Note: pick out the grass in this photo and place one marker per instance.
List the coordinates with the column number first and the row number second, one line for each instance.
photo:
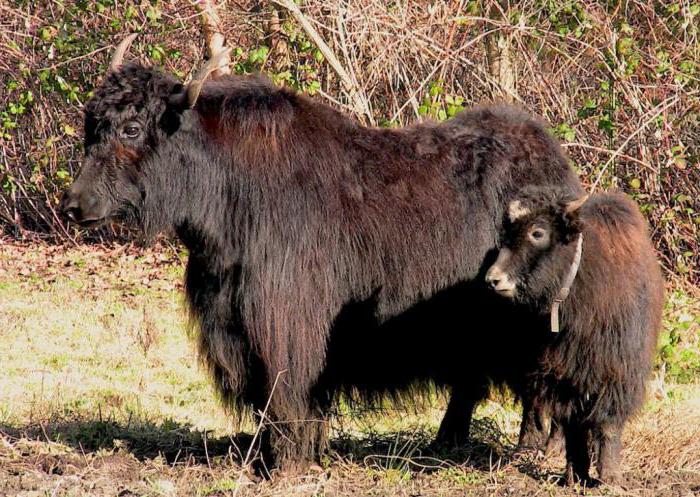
column 101, row 394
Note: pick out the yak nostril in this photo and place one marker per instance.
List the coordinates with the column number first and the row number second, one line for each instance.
column 71, row 213
column 91, row 202
column 70, row 207
column 494, row 282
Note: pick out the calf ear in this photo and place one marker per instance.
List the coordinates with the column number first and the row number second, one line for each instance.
column 571, row 222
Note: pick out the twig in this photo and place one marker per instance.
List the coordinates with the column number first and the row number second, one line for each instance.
column 361, row 104
column 206, row 449
column 659, row 109
column 73, row 59
column 609, row 152
column 263, row 415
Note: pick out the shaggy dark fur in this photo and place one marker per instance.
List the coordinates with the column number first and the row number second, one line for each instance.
column 592, row 375
column 324, row 256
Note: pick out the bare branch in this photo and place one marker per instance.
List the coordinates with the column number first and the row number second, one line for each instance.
column 359, row 100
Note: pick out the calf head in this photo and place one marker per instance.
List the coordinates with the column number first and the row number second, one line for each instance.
column 132, row 113
column 537, row 246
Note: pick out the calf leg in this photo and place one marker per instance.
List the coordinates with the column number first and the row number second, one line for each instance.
column 609, row 447
column 455, row 425
column 578, row 460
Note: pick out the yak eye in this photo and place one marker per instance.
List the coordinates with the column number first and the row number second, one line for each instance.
column 131, row 130
column 537, row 234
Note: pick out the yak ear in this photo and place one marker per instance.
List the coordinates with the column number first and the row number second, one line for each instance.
column 176, row 104
column 178, row 99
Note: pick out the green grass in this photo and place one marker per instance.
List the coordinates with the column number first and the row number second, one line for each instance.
column 119, row 354
column 98, row 374
column 679, row 343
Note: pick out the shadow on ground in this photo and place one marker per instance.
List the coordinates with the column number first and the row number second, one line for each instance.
column 170, row 440
column 489, row 450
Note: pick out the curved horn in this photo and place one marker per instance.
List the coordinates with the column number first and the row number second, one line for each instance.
column 195, row 85
column 575, row 204
column 121, row 49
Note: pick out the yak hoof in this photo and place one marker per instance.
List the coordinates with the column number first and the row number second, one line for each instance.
column 554, row 447
column 610, row 477
column 448, row 443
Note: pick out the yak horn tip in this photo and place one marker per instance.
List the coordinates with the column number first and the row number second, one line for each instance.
column 576, row 204
column 210, row 66
column 119, row 52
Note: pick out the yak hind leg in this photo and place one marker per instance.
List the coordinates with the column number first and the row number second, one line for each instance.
column 456, row 424
column 608, row 438
column 533, row 430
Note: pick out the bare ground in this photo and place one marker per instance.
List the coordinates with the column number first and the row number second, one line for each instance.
column 100, row 394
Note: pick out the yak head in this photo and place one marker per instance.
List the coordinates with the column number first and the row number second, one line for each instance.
column 134, row 111
column 538, row 244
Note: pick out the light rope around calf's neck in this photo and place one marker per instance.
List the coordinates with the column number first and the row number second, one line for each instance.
column 568, row 281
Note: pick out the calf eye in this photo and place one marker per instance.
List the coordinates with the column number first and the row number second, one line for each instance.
column 538, row 237
column 131, row 130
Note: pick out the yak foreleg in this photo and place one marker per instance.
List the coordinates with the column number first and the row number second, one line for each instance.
column 608, row 438
column 294, row 430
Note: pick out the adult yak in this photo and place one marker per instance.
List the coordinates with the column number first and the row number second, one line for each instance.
column 325, row 256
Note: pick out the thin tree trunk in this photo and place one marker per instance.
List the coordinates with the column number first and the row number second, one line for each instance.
column 278, row 42
column 213, row 37
column 499, row 56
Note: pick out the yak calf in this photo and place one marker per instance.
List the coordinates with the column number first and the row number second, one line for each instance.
column 591, row 376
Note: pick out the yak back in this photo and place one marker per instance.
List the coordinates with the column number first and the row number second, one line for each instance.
column 408, row 210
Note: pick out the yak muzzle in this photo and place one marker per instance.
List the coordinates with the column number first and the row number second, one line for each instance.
column 82, row 208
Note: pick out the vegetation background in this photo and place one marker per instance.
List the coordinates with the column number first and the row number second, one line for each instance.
column 618, row 82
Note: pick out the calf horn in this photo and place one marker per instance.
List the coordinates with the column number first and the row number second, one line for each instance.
column 575, row 204
column 121, row 49
column 195, row 85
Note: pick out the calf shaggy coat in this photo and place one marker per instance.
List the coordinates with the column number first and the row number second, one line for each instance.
column 591, row 376
column 318, row 247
